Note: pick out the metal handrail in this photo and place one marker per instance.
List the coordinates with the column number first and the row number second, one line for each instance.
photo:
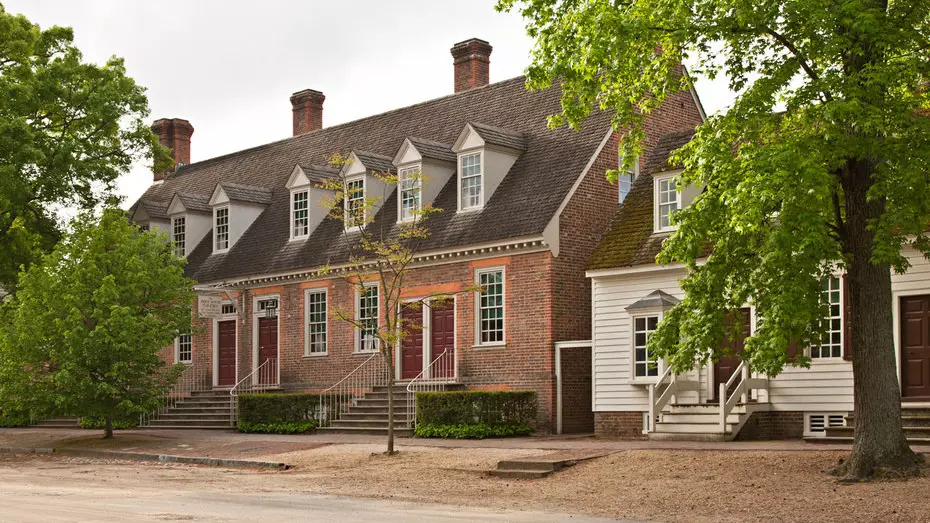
column 268, row 369
column 344, row 392
column 195, row 377
column 425, row 382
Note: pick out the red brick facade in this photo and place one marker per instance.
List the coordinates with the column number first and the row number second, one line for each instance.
column 626, row 425
column 772, row 425
column 577, row 417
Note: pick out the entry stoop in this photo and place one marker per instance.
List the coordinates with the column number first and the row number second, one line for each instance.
column 206, row 409
column 368, row 415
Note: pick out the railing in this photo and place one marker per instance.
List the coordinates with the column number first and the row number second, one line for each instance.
column 740, row 392
column 373, row 372
column 433, row 378
column 661, row 394
column 262, row 379
column 194, row 378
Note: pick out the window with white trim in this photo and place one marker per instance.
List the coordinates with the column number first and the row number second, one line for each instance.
column 268, row 307
column 367, row 317
column 491, row 307
column 178, row 233
column 144, row 227
column 626, row 178
column 355, row 202
column 316, row 322
column 228, row 308
column 831, row 344
column 300, row 214
column 410, row 192
column 221, row 230
column 185, row 344
column 470, row 180
column 668, row 202
column 645, row 365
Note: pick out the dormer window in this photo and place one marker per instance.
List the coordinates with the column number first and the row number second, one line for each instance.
column 221, row 230
column 626, row 178
column 300, row 214
column 355, row 203
column 178, row 232
column 410, row 192
column 471, row 181
column 668, row 202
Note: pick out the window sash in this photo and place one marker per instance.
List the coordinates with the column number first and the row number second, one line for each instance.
column 222, row 229
column 668, row 202
column 316, row 322
column 185, row 348
column 178, row 230
column 831, row 344
column 491, row 307
column 471, row 180
column 355, row 203
column 625, row 179
column 368, row 319
column 645, row 365
column 411, row 192
column 300, row 210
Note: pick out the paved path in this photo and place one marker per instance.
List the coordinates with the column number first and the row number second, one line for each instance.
column 27, row 501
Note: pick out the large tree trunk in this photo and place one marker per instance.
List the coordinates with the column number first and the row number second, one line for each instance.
column 880, row 448
column 108, row 427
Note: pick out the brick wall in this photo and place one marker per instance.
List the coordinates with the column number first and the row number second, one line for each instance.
column 625, row 425
column 577, row 417
column 772, row 425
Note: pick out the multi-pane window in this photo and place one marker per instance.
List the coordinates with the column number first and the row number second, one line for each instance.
column 228, row 308
column 355, row 202
column 625, row 179
column 178, row 227
column 668, row 202
column 185, row 348
column 222, row 229
column 491, row 307
column 471, row 180
column 368, row 318
column 144, row 227
column 409, row 192
column 316, row 321
column 644, row 363
column 831, row 344
column 300, row 210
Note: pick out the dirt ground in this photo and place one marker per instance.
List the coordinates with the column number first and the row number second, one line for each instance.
column 662, row 485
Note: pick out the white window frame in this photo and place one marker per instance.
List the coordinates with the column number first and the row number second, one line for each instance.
column 660, row 364
column 480, row 176
column 658, row 202
column 632, row 173
column 417, row 186
column 477, row 314
column 177, row 349
column 308, row 344
column 182, row 244
column 294, row 232
column 827, row 422
column 349, row 223
column 216, row 213
column 842, row 319
column 359, row 348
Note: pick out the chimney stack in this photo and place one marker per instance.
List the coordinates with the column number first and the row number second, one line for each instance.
column 472, row 61
column 175, row 134
column 308, row 111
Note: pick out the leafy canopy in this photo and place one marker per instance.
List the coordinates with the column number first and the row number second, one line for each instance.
column 68, row 129
column 819, row 83
column 83, row 334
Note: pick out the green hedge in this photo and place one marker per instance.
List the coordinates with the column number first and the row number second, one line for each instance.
column 475, row 414
column 281, row 427
column 13, row 420
column 289, row 413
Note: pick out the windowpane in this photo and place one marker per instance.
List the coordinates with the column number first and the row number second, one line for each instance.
column 668, row 202
column 625, row 179
column 644, row 363
column 185, row 348
column 355, row 203
column 178, row 233
column 316, row 322
column 368, row 318
column 222, row 229
column 831, row 345
column 300, row 210
column 471, row 181
column 491, row 305
column 410, row 192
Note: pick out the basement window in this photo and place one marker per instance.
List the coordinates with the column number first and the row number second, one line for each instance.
column 816, row 424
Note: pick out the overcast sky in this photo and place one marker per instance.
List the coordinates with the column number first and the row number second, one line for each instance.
column 230, row 66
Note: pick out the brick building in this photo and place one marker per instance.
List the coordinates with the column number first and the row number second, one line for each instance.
column 524, row 207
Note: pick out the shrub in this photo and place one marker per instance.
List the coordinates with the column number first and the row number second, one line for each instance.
column 286, row 413
column 475, row 414
column 281, row 427
column 98, row 423
column 10, row 419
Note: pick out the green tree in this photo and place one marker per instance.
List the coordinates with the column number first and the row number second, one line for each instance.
column 68, row 129
column 83, row 334
column 822, row 162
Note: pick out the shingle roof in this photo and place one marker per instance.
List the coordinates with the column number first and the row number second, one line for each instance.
column 247, row 193
column 375, row 163
column 630, row 240
column 156, row 209
column 521, row 206
column 435, row 150
column 498, row 136
column 654, row 300
column 195, row 202
column 319, row 173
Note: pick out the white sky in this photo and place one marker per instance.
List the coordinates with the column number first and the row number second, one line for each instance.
column 230, row 66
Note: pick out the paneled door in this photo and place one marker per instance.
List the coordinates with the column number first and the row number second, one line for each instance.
column 915, row 347
column 442, row 339
column 412, row 346
column 725, row 367
column 226, row 353
column 268, row 350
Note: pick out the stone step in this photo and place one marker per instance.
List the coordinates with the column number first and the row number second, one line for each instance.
column 227, row 426
column 384, row 396
column 200, row 403
column 366, row 431
column 908, row 419
column 909, row 432
column 198, row 422
column 176, row 415
column 363, row 423
column 698, row 418
column 375, row 409
column 689, row 428
column 200, row 410
column 373, row 416
column 692, row 436
column 849, row 440
column 366, row 402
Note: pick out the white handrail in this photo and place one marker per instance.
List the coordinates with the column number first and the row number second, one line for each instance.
column 344, row 392
column 267, row 374
column 426, row 382
column 740, row 393
column 654, row 406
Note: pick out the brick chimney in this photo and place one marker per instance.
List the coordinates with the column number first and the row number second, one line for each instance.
column 308, row 111
column 175, row 134
column 472, row 61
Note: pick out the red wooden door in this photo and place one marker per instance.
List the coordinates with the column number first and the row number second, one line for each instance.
column 726, row 366
column 411, row 364
column 226, row 353
column 915, row 347
column 268, row 350
column 442, row 339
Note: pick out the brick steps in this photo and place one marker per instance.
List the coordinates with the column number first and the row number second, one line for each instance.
column 369, row 414
column 59, row 423
column 915, row 421
column 202, row 409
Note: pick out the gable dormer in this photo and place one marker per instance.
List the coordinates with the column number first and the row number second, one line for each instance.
column 235, row 207
column 151, row 215
column 190, row 216
column 423, row 168
column 307, row 200
column 485, row 155
column 362, row 184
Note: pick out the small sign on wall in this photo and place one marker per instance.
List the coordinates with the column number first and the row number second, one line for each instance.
column 210, row 306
